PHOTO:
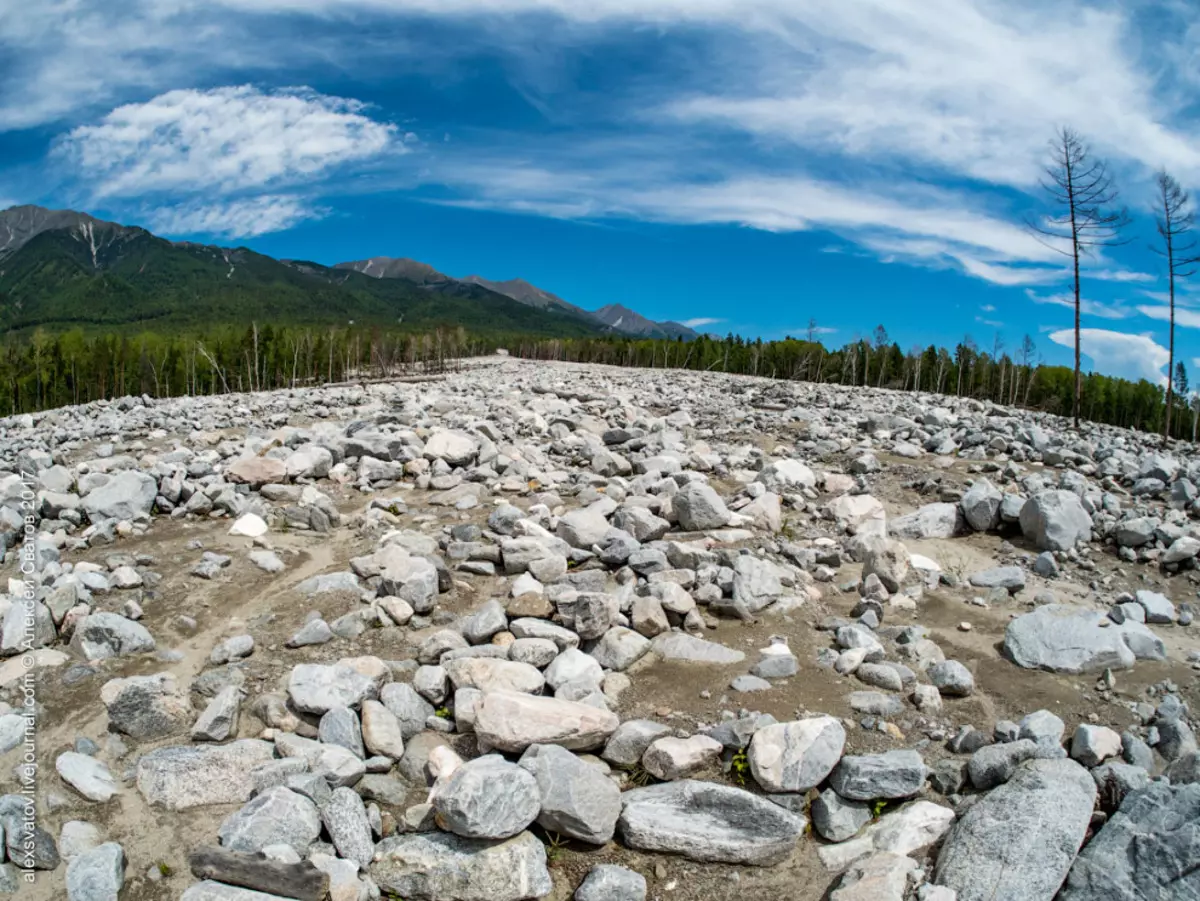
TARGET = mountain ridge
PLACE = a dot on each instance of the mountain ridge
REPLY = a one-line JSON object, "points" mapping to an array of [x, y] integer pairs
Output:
{"points": [[61, 268]]}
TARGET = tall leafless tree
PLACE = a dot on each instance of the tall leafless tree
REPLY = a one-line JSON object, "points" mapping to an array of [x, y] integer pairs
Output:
{"points": [[1082, 191], [1175, 220]]}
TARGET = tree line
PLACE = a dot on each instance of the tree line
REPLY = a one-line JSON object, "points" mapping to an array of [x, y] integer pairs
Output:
{"points": [[46, 370], [1018, 378]]}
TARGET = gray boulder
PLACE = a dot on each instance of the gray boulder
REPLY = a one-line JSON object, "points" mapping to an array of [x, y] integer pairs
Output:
{"points": [[438, 866], [99, 636], [1066, 639], [708, 822], [952, 679], [837, 819], [345, 820], [185, 776], [127, 495], [894, 774], [981, 505], [315, 688], [97, 874], [1055, 520], [577, 799], [609, 882], [487, 798], [930, 521], [794, 757], [699, 508], [279, 816], [887, 560], [1149, 849], [1158, 608], [1010, 578], [631, 739], [1018, 842]]}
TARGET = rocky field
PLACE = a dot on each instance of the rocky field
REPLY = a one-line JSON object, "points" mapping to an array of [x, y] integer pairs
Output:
{"points": [[564, 632]]}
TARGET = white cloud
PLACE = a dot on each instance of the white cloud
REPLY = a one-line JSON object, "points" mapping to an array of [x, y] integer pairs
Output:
{"points": [[988, 308], [870, 79], [1183, 316], [990, 323], [235, 218], [1119, 354], [700, 322], [224, 139], [1121, 275], [1086, 307]]}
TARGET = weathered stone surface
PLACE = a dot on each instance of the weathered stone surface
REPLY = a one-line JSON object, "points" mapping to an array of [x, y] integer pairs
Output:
{"points": [[183, 777], [490, 674], [1062, 638], [577, 799], [1092, 745], [794, 757], [102, 635], [699, 507], [128, 495], [1018, 842], [279, 816], [620, 648], [316, 688], [894, 774], [97, 874], [147, 707], [630, 740], [880, 877], [837, 819], [981, 505], [1055, 520], [677, 758], [86, 775], [512, 721], [438, 866], [952, 679], [608, 882], [930, 521], [708, 822], [888, 561], [410, 709], [345, 820], [1149, 849], [487, 798], [688, 648]]}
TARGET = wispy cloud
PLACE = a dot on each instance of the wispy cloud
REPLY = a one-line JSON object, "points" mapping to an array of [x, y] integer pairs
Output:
{"points": [[988, 308], [227, 152], [1121, 275], [990, 323], [700, 322], [1183, 316], [1086, 306], [860, 88], [1120, 354], [224, 139], [235, 218]]}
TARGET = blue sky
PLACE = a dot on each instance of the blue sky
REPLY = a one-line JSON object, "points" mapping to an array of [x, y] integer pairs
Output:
{"points": [[742, 164]]}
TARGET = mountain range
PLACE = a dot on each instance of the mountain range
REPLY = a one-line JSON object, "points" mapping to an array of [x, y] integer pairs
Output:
{"points": [[61, 268]]}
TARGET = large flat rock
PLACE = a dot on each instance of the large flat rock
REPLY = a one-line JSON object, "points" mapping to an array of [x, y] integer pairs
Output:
{"points": [[708, 822]]}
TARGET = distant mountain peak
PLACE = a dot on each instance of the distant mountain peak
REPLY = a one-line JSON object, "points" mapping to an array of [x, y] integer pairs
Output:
{"points": [[397, 267], [626, 320], [21, 224]]}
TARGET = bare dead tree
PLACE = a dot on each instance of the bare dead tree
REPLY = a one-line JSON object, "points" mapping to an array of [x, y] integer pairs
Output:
{"points": [[1082, 190], [1175, 219]]}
